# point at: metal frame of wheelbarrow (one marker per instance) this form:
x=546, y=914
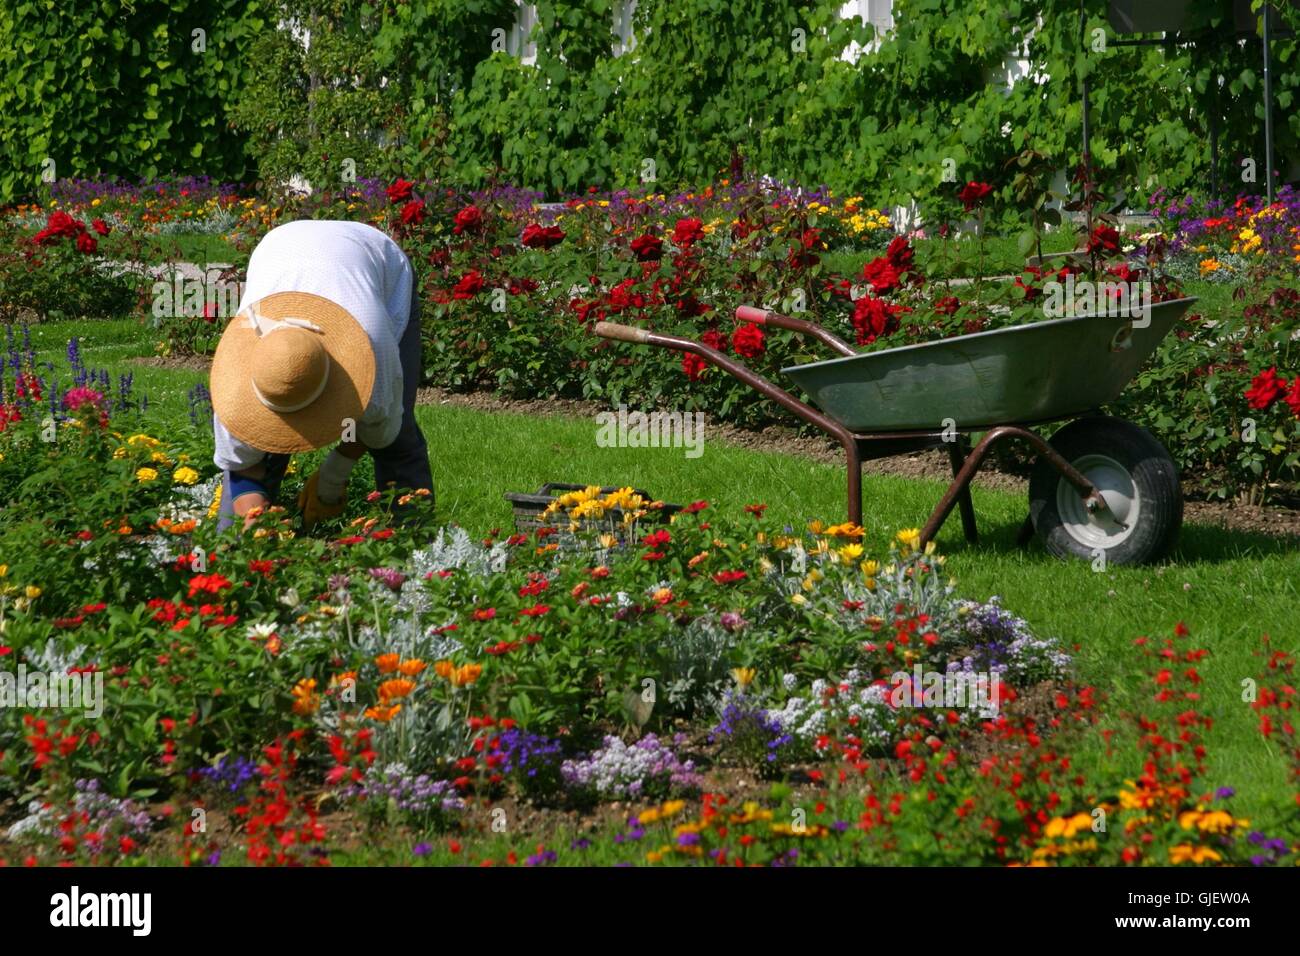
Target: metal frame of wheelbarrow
x=860, y=447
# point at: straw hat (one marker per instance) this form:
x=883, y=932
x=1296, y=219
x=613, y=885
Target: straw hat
x=288, y=370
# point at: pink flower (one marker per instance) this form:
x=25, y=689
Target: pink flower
x=75, y=398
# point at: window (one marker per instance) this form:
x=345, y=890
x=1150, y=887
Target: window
x=624, y=38
x=519, y=43
x=878, y=13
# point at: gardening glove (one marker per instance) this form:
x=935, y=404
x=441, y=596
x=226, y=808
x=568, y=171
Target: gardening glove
x=313, y=509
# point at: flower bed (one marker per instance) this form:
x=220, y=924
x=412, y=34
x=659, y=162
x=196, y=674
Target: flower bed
x=418, y=681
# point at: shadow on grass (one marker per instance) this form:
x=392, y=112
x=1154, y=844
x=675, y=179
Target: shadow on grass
x=1196, y=544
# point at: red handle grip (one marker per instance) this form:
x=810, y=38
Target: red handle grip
x=747, y=313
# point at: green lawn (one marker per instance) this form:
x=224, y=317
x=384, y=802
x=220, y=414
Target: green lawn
x=1229, y=588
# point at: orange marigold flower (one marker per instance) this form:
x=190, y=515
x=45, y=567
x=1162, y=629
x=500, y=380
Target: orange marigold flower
x=387, y=663
x=412, y=667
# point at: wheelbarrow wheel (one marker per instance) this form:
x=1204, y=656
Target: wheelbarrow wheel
x=1136, y=477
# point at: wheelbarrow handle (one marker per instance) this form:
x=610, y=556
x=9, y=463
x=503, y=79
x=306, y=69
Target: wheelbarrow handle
x=748, y=313
x=738, y=370
x=624, y=333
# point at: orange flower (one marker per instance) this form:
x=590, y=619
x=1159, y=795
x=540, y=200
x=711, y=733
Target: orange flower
x=305, y=700
x=387, y=663
x=383, y=714
x=398, y=687
x=412, y=667
x=466, y=674
x=444, y=669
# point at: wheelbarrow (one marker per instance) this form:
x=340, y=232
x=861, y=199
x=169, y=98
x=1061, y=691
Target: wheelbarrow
x=1101, y=488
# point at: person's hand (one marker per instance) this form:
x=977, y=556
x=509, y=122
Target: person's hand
x=313, y=509
x=249, y=507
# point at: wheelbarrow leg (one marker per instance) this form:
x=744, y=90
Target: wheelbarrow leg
x=957, y=452
x=854, y=461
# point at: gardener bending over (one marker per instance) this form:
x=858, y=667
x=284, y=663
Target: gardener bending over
x=325, y=347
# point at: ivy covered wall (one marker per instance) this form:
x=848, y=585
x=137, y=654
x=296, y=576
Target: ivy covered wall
x=429, y=88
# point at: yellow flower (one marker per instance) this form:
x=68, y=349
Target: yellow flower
x=1210, y=265
x=1186, y=853
x=143, y=441
x=4, y=569
x=672, y=807
x=909, y=538
x=185, y=476
x=1067, y=826
x=32, y=592
x=848, y=530
x=744, y=676
x=215, y=507
x=870, y=568
x=146, y=474
x=798, y=599
x=850, y=553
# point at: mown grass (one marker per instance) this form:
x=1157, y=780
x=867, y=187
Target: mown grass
x=1229, y=588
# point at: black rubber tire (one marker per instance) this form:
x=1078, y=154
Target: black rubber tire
x=1152, y=472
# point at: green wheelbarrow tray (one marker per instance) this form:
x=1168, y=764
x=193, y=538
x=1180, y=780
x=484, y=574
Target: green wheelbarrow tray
x=1100, y=486
x=1043, y=371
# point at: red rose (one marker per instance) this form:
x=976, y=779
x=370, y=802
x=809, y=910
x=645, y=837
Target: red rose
x=1293, y=397
x=541, y=237
x=973, y=194
x=900, y=254
x=1266, y=388
x=883, y=275
x=101, y=227
x=874, y=317
x=469, y=219
x=87, y=243
x=400, y=191
x=692, y=364
x=747, y=340
x=648, y=248
x=413, y=213
x=948, y=305
x=469, y=286
x=61, y=224
x=1104, y=240
x=687, y=231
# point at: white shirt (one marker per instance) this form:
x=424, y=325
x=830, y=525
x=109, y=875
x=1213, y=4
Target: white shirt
x=359, y=268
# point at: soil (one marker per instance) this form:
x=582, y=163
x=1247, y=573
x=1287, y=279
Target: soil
x=175, y=363
x=1273, y=520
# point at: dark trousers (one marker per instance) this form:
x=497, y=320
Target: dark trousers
x=403, y=464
